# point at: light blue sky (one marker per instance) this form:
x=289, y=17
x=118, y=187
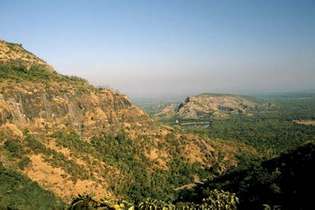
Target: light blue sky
x=157, y=47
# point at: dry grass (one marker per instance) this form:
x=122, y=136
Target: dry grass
x=59, y=182
x=305, y=122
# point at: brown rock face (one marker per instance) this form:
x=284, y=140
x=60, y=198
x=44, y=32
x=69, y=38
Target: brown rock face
x=34, y=97
x=46, y=107
x=45, y=100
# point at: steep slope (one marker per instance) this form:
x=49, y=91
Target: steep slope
x=205, y=106
x=19, y=192
x=17, y=55
x=72, y=138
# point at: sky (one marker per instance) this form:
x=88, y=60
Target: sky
x=159, y=48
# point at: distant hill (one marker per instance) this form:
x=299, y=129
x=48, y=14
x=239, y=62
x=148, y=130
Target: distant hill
x=155, y=105
x=72, y=138
x=207, y=105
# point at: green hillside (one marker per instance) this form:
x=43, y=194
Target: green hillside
x=19, y=192
x=284, y=182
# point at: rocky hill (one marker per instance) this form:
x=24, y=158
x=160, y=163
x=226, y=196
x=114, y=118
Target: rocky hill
x=71, y=138
x=16, y=54
x=209, y=105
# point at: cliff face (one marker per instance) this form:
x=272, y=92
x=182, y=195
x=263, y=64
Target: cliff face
x=72, y=138
x=34, y=96
x=51, y=106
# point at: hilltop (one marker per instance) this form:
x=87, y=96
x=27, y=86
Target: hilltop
x=13, y=53
x=69, y=138
x=206, y=105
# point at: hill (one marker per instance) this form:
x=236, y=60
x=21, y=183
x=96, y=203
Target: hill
x=19, y=192
x=72, y=138
x=206, y=106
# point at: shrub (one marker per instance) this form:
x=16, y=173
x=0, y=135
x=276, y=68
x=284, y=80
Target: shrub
x=24, y=163
x=14, y=147
x=19, y=192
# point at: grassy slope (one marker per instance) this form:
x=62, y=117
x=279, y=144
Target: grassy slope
x=19, y=192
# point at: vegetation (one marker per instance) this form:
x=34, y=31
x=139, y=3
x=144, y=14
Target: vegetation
x=271, y=129
x=284, y=182
x=127, y=155
x=20, y=73
x=17, y=72
x=55, y=158
x=270, y=136
x=217, y=200
x=14, y=148
x=19, y=192
x=133, y=174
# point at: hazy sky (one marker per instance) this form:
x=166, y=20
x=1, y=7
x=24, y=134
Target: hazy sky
x=156, y=47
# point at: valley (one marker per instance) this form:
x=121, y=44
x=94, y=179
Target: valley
x=70, y=138
x=64, y=142
x=157, y=105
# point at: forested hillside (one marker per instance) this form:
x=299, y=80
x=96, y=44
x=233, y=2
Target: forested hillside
x=283, y=182
x=72, y=138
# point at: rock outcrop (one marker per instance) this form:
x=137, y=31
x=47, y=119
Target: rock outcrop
x=209, y=105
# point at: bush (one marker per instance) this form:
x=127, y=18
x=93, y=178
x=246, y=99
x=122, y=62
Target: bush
x=24, y=163
x=14, y=147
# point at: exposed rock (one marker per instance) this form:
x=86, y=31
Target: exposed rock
x=208, y=105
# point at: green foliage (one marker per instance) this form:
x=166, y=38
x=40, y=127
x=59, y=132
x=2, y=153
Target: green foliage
x=36, y=146
x=270, y=129
x=217, y=200
x=129, y=157
x=56, y=159
x=23, y=163
x=284, y=181
x=270, y=136
x=16, y=152
x=120, y=151
x=291, y=106
x=155, y=204
x=19, y=192
x=14, y=148
x=18, y=72
x=85, y=202
x=73, y=141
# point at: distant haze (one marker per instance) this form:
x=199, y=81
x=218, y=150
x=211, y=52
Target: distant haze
x=163, y=48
